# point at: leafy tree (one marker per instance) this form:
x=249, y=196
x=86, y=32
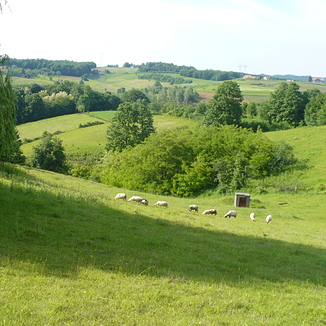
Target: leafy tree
x=286, y=105
x=251, y=109
x=225, y=107
x=8, y=134
x=134, y=95
x=316, y=110
x=131, y=125
x=49, y=154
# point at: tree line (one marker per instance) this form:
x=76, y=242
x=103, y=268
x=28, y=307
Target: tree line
x=60, y=98
x=34, y=67
x=188, y=71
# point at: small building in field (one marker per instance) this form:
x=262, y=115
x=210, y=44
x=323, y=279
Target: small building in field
x=241, y=199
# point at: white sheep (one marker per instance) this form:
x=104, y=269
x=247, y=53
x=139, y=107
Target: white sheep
x=193, y=208
x=210, y=212
x=137, y=199
x=161, y=203
x=120, y=196
x=252, y=217
x=231, y=213
x=268, y=219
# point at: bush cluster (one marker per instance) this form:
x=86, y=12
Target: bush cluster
x=186, y=162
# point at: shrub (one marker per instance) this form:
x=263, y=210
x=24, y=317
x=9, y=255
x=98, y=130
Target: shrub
x=49, y=154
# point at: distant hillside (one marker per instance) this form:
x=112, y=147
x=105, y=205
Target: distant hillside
x=294, y=77
x=32, y=67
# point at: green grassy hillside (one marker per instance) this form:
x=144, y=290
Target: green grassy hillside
x=90, y=139
x=72, y=255
x=309, y=146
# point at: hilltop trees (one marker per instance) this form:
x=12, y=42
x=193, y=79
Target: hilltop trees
x=131, y=125
x=225, y=107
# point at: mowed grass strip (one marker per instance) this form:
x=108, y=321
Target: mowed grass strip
x=63, y=123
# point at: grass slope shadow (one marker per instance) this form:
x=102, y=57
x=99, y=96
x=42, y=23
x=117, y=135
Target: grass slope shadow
x=65, y=232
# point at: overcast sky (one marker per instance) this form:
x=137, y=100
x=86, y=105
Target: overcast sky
x=252, y=36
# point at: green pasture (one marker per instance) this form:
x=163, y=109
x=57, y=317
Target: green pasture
x=72, y=255
x=63, y=123
x=104, y=115
x=90, y=139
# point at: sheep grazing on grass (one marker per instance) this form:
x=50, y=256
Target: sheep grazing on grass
x=209, y=212
x=161, y=203
x=193, y=208
x=252, y=217
x=137, y=199
x=268, y=219
x=120, y=196
x=144, y=201
x=231, y=213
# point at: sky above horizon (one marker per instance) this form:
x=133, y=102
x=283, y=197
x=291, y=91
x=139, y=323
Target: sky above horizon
x=250, y=36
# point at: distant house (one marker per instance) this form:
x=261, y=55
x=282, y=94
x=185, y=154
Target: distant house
x=318, y=80
x=250, y=77
x=3, y=69
x=266, y=78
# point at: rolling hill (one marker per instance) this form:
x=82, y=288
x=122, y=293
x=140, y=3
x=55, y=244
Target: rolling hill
x=252, y=90
x=72, y=255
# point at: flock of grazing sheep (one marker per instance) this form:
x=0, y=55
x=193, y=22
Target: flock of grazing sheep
x=229, y=214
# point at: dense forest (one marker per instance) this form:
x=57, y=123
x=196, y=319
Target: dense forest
x=33, y=67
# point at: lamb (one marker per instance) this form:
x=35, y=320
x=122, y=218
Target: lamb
x=210, y=212
x=193, y=208
x=161, y=203
x=120, y=196
x=231, y=213
x=252, y=217
x=268, y=219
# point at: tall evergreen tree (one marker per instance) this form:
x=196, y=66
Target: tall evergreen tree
x=8, y=134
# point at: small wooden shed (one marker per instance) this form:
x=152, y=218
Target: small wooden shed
x=241, y=199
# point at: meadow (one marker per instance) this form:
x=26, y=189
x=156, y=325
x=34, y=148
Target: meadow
x=72, y=255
